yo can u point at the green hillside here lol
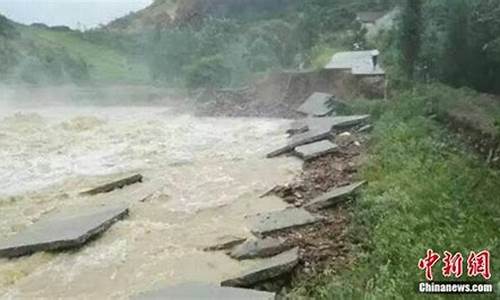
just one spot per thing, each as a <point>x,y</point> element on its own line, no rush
<point>39,54</point>
<point>104,63</point>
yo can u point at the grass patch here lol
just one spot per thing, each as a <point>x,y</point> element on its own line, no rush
<point>105,64</point>
<point>481,111</point>
<point>426,191</point>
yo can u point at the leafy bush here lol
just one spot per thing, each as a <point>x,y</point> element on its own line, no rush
<point>275,38</point>
<point>458,42</point>
<point>171,52</point>
<point>320,18</point>
<point>260,56</point>
<point>208,72</point>
<point>48,65</point>
<point>177,53</point>
<point>214,35</point>
<point>180,55</point>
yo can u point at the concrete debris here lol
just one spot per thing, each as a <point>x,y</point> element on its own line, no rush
<point>318,129</point>
<point>317,105</point>
<point>349,121</point>
<point>62,231</point>
<point>267,270</point>
<point>366,128</point>
<point>258,248</point>
<point>311,151</point>
<point>225,242</point>
<point>298,130</point>
<point>267,223</point>
<point>329,123</point>
<point>301,139</point>
<point>200,291</point>
<point>334,197</point>
<point>114,185</point>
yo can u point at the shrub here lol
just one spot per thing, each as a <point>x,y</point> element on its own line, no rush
<point>49,65</point>
<point>171,51</point>
<point>208,72</point>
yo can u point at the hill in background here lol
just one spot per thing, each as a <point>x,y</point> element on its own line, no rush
<point>160,13</point>
<point>42,54</point>
<point>166,13</point>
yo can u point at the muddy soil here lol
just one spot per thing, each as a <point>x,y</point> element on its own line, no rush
<point>275,96</point>
<point>326,244</point>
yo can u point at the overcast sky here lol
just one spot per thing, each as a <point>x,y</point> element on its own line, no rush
<point>89,13</point>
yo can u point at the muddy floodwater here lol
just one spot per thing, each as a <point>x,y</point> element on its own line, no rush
<point>202,177</point>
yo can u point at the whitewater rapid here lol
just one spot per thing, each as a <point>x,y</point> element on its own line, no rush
<point>204,174</point>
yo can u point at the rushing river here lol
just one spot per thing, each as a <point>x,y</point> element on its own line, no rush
<point>202,176</point>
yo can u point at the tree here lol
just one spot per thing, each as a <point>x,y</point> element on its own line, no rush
<point>324,17</point>
<point>411,28</point>
<point>171,52</point>
<point>7,30</point>
<point>457,54</point>
<point>484,32</point>
<point>208,72</point>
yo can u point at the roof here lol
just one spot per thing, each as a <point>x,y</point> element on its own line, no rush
<point>370,16</point>
<point>359,62</point>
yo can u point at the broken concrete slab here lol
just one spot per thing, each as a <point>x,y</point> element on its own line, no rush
<point>106,188</point>
<point>318,129</point>
<point>308,137</point>
<point>225,242</point>
<point>297,130</point>
<point>317,105</point>
<point>334,196</point>
<point>309,124</point>
<point>267,223</point>
<point>268,269</point>
<point>258,248</point>
<point>366,128</point>
<point>203,291</point>
<point>305,132</point>
<point>341,122</point>
<point>62,231</point>
<point>311,151</point>
<point>328,123</point>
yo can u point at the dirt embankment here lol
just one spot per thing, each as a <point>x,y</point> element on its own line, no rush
<point>475,121</point>
<point>278,95</point>
<point>486,144</point>
<point>326,244</point>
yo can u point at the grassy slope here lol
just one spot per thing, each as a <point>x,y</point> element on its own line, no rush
<point>106,64</point>
<point>425,191</point>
